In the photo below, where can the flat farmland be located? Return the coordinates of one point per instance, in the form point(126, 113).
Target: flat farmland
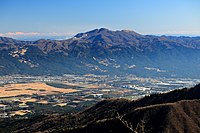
point(11, 90)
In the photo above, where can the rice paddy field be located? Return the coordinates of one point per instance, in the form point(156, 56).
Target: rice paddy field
point(39, 88)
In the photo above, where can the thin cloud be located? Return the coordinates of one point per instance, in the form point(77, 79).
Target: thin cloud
point(20, 33)
point(32, 34)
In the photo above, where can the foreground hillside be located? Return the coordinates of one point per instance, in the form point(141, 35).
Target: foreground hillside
point(175, 111)
point(102, 51)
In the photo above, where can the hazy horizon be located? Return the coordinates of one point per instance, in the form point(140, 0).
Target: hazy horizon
point(40, 19)
point(34, 37)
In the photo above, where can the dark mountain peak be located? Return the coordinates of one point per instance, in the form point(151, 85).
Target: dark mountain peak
point(108, 37)
point(7, 39)
point(131, 32)
point(40, 41)
point(100, 30)
point(10, 43)
point(105, 31)
point(51, 45)
point(92, 32)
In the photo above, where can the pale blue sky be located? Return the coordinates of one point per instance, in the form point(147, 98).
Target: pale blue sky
point(68, 17)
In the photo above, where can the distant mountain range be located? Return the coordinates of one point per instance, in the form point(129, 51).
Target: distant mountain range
point(176, 111)
point(102, 51)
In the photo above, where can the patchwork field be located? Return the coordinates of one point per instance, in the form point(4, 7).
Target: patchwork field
point(39, 88)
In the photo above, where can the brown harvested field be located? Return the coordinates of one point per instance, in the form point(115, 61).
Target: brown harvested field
point(31, 88)
point(20, 112)
point(92, 87)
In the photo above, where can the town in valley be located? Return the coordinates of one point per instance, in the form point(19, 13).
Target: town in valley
point(22, 96)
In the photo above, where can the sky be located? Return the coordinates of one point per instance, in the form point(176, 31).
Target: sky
point(36, 18)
